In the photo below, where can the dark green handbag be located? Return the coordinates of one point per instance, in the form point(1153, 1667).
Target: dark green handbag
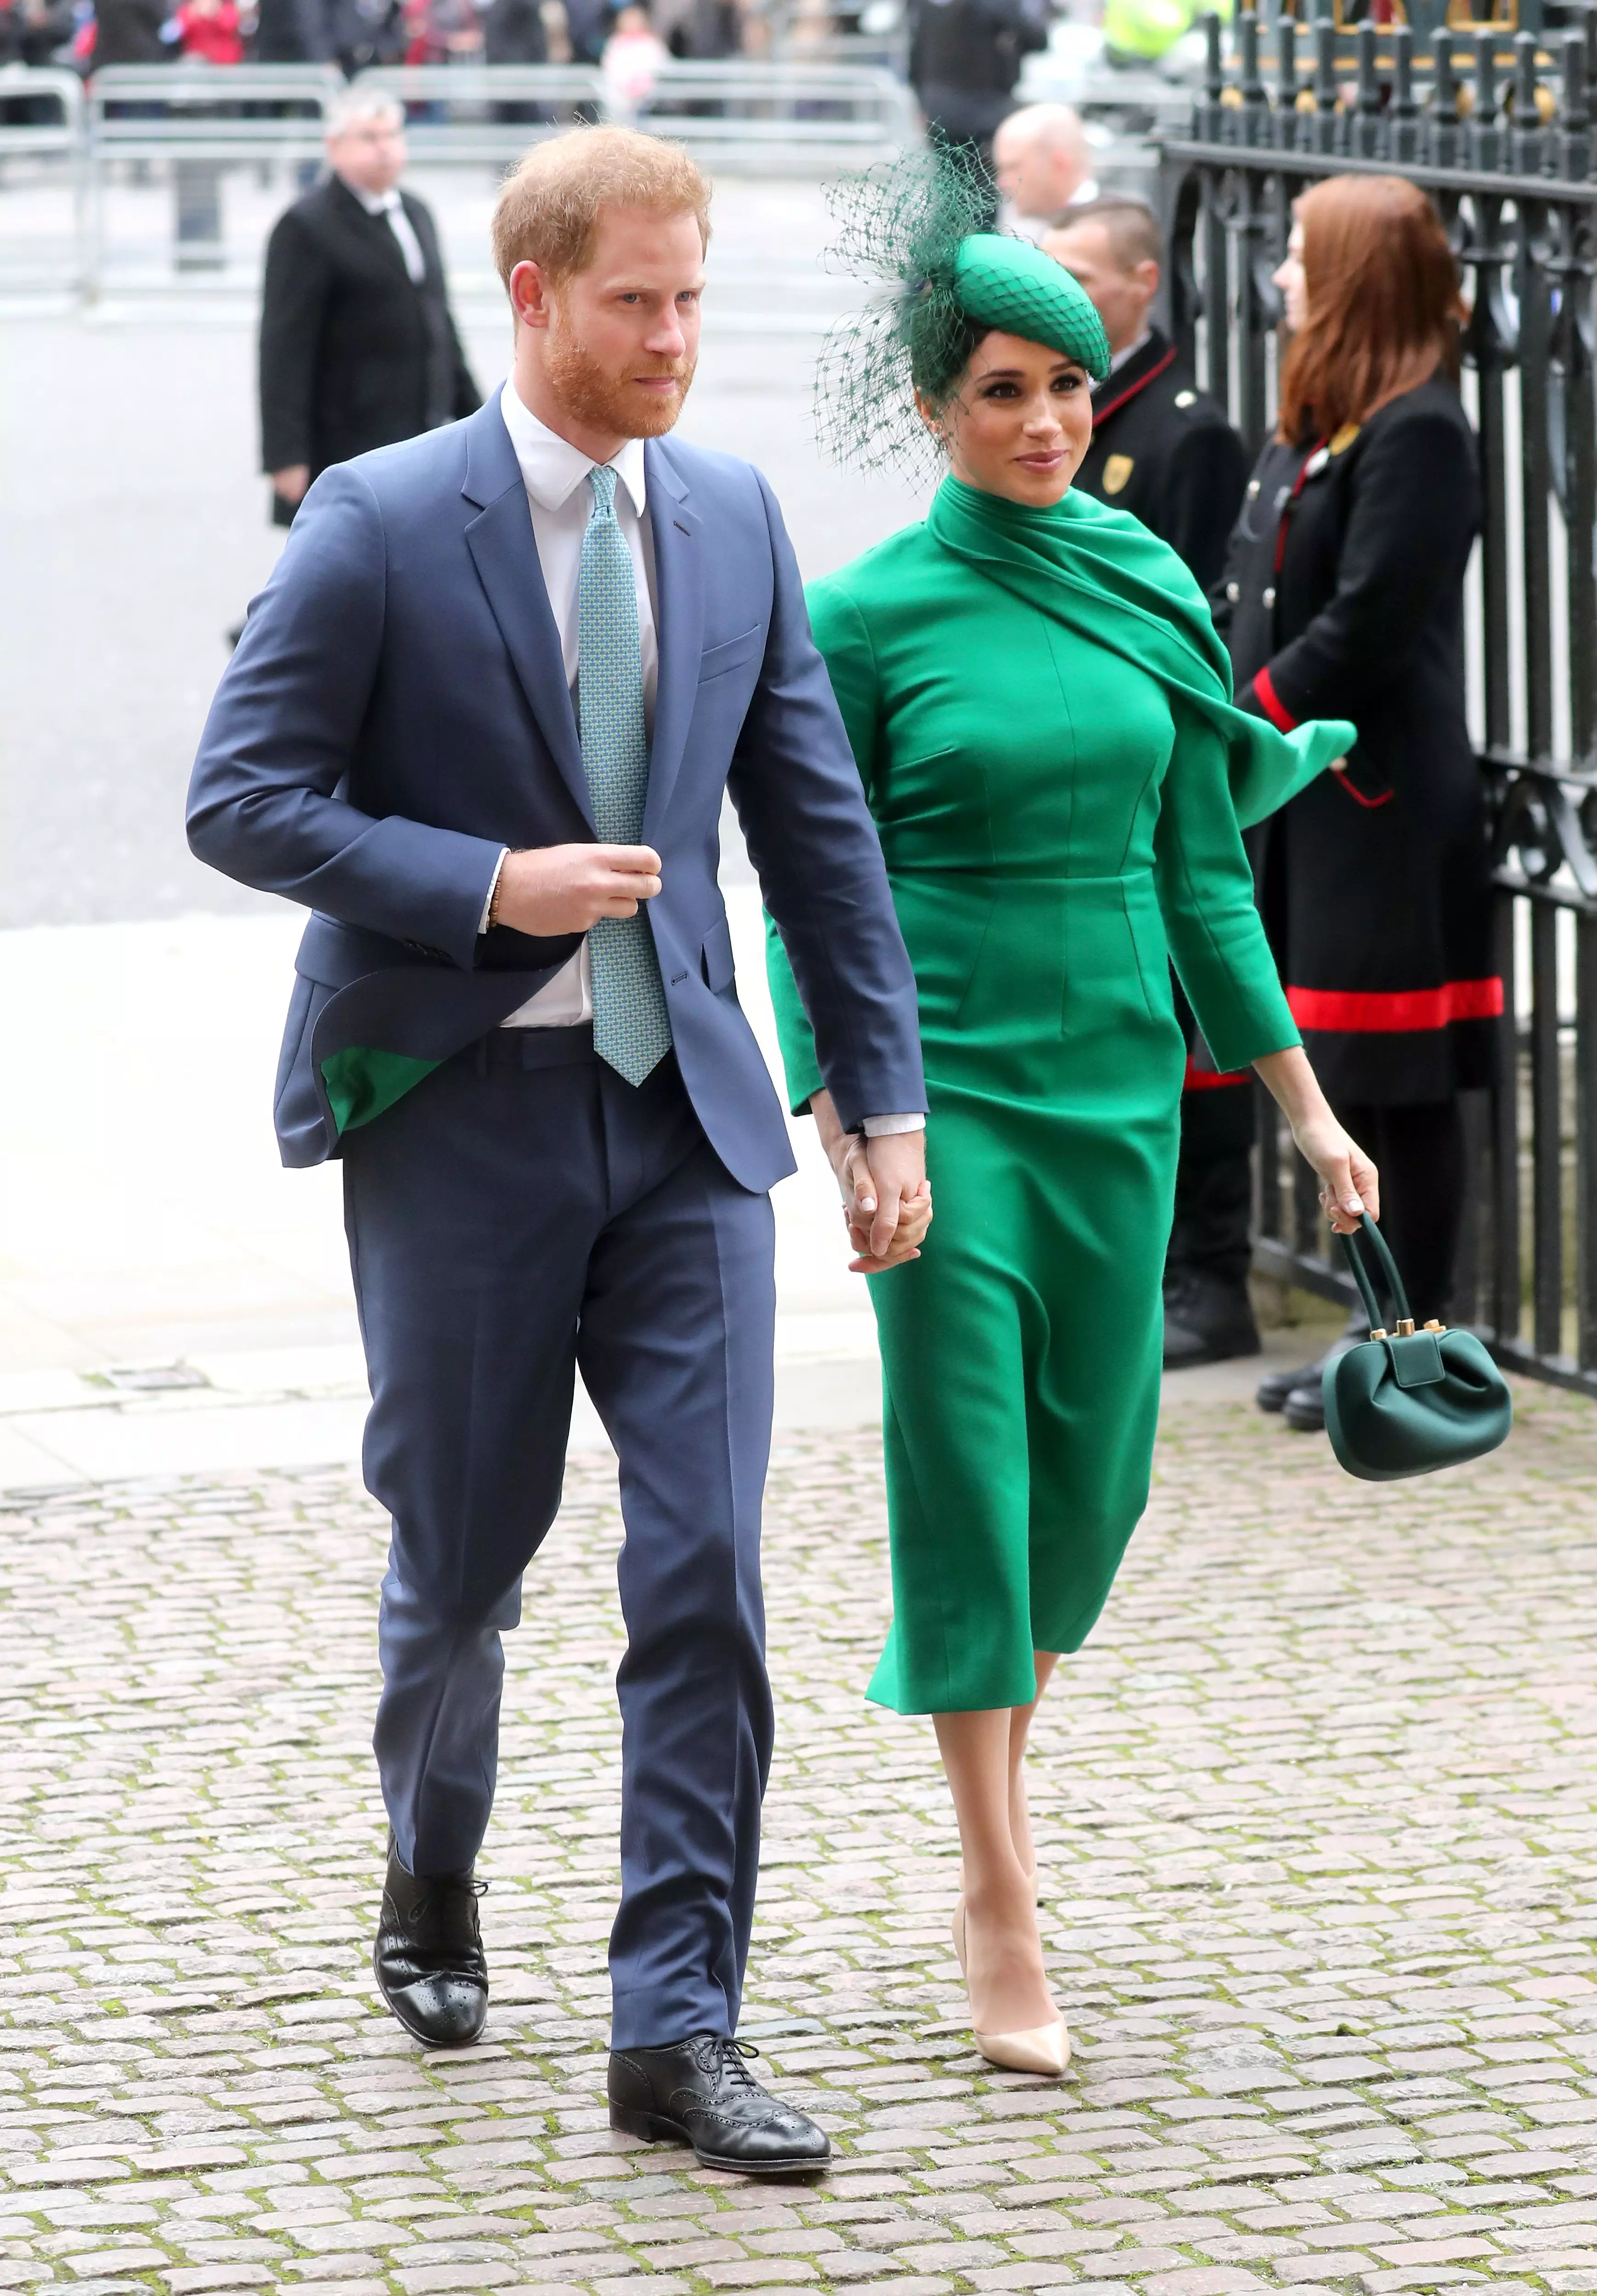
point(1408, 1402)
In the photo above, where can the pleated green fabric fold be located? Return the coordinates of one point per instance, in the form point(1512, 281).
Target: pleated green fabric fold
point(1100, 573)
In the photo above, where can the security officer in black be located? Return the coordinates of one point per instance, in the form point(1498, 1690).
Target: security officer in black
point(1166, 452)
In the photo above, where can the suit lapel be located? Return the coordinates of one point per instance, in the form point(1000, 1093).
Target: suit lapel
point(506, 556)
point(680, 620)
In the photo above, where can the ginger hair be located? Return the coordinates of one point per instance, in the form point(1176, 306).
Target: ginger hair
point(1382, 288)
point(549, 211)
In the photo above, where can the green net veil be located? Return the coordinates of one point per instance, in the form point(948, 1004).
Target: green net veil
point(915, 229)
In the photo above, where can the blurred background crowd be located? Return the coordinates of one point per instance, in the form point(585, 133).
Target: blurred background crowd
point(964, 57)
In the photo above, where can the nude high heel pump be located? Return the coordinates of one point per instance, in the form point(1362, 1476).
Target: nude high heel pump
point(1035, 2049)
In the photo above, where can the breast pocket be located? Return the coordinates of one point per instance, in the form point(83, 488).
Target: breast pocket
point(734, 653)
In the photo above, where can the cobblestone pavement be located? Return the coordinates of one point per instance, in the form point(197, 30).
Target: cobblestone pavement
point(1315, 1814)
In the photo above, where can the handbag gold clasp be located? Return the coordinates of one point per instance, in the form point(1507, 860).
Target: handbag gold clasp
point(1380, 1331)
point(1405, 1327)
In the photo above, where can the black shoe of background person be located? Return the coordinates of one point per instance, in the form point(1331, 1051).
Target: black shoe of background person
point(1304, 1408)
point(428, 1958)
point(701, 2092)
point(1274, 1391)
point(1208, 1318)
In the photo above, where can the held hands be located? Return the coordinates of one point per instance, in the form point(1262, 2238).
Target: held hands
point(886, 1196)
point(1349, 1183)
point(551, 890)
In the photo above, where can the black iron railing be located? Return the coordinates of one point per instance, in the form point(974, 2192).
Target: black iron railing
point(1497, 124)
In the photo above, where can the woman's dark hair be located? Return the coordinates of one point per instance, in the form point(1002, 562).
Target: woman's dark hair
point(1382, 288)
point(943, 340)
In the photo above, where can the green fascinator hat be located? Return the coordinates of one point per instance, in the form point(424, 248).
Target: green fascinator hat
point(916, 230)
point(1010, 284)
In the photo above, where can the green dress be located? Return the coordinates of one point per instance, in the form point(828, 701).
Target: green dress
point(1059, 820)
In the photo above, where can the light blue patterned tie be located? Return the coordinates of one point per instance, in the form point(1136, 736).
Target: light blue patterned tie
point(631, 1029)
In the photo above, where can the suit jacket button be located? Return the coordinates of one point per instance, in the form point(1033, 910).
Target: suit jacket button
point(1233, 591)
point(1269, 597)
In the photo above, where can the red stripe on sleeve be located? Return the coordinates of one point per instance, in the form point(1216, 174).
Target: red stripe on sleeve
point(1198, 1080)
point(1381, 1012)
point(1269, 701)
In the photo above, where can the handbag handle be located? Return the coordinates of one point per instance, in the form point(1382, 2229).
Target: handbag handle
point(1389, 1268)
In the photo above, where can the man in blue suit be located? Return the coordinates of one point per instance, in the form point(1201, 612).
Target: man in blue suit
point(480, 721)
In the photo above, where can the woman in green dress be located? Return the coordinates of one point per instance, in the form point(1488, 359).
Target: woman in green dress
point(1041, 717)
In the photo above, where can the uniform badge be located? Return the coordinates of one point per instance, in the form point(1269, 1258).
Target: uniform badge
point(1344, 438)
point(1186, 399)
point(1118, 470)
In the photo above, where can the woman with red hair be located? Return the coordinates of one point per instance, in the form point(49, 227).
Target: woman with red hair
point(1343, 597)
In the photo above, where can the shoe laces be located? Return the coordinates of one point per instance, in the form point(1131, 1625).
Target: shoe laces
point(447, 1885)
point(733, 2056)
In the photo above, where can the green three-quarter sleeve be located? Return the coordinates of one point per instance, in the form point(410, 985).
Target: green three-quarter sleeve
point(845, 647)
point(1206, 897)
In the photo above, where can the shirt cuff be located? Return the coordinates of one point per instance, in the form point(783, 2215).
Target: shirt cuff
point(493, 887)
point(874, 1127)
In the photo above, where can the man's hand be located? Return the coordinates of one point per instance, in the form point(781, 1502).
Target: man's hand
point(292, 484)
point(564, 888)
point(886, 1196)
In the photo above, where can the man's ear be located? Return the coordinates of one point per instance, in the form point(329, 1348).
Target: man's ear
point(531, 296)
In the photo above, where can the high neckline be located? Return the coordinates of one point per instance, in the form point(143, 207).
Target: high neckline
point(1001, 511)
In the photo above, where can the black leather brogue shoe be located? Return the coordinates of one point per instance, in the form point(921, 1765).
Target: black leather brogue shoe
point(700, 2092)
point(428, 1958)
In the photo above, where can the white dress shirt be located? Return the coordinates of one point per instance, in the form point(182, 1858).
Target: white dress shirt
point(389, 204)
point(554, 473)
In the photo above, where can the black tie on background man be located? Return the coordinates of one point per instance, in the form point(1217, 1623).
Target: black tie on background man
point(1165, 451)
point(357, 348)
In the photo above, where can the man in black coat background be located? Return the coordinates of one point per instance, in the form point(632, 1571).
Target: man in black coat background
point(965, 59)
point(357, 348)
point(1165, 451)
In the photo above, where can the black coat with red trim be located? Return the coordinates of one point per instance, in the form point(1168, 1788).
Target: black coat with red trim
point(1165, 451)
point(1343, 597)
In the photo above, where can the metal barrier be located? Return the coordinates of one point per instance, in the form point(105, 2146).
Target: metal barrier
point(487, 113)
point(203, 118)
point(765, 119)
point(200, 120)
point(41, 118)
point(1510, 163)
point(210, 111)
point(25, 89)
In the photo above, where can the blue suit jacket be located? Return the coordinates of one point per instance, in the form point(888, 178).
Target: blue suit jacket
point(396, 710)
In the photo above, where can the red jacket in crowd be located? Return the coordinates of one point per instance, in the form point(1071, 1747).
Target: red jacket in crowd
point(208, 29)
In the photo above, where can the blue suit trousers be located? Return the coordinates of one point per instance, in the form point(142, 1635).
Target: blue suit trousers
point(523, 1211)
